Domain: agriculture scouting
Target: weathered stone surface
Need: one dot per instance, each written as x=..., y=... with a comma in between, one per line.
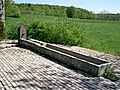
x=8, y=43
x=2, y=46
x=21, y=69
x=21, y=33
x=94, y=66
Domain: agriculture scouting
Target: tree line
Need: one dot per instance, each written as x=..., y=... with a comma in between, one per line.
x=15, y=10
x=52, y=10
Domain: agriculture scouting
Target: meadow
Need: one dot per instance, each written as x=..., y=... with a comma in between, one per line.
x=100, y=35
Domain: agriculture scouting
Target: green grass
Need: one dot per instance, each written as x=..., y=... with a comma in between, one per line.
x=101, y=35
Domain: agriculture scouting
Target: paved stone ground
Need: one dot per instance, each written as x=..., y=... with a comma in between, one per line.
x=21, y=69
x=8, y=43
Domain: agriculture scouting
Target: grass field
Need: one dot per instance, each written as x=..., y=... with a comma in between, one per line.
x=100, y=35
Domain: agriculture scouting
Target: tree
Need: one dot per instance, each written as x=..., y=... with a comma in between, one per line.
x=11, y=9
x=2, y=25
x=71, y=12
x=8, y=3
x=14, y=11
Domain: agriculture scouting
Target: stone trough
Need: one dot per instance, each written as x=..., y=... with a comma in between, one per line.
x=93, y=66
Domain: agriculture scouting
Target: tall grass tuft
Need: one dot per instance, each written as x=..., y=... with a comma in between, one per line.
x=2, y=31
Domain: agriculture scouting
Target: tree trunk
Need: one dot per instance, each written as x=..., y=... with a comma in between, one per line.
x=2, y=20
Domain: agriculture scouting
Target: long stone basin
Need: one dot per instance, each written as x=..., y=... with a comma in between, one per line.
x=93, y=66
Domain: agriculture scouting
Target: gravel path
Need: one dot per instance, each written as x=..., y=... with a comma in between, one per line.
x=21, y=69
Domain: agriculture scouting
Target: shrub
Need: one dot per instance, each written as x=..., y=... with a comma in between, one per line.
x=61, y=32
x=36, y=31
x=110, y=74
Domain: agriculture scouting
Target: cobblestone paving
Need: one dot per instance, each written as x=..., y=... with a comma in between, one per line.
x=21, y=69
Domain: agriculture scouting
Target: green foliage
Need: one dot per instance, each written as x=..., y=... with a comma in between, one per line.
x=11, y=9
x=11, y=25
x=62, y=11
x=36, y=31
x=8, y=3
x=2, y=31
x=111, y=17
x=12, y=33
x=102, y=35
x=52, y=10
x=61, y=31
x=110, y=74
x=71, y=12
x=14, y=11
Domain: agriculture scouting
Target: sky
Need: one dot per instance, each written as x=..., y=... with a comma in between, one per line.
x=113, y=6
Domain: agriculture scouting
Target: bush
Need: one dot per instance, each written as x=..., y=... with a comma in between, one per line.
x=36, y=31
x=61, y=32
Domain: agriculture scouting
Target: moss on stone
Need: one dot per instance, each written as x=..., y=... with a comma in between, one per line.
x=2, y=31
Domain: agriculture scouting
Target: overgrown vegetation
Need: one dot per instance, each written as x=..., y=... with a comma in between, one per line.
x=110, y=74
x=61, y=31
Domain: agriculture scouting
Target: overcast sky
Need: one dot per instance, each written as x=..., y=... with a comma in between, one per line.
x=113, y=6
